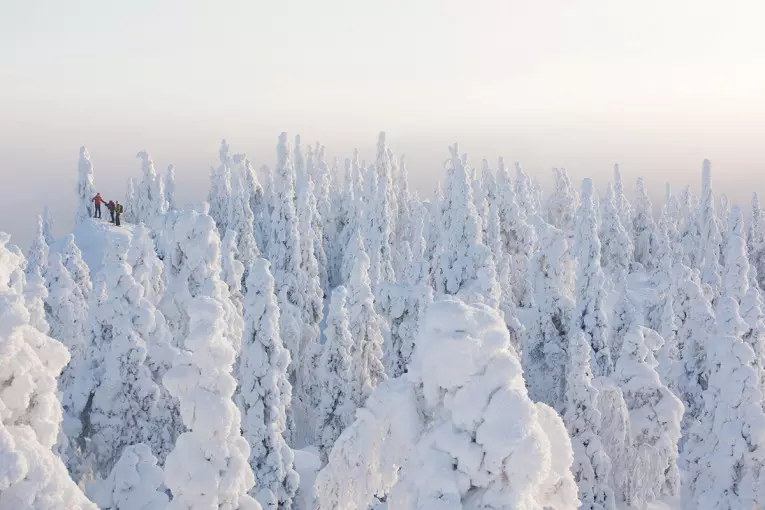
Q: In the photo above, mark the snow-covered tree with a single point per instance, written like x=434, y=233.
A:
x=86, y=187
x=323, y=219
x=711, y=239
x=756, y=231
x=31, y=476
x=134, y=483
x=589, y=315
x=309, y=280
x=168, y=185
x=146, y=266
x=47, y=226
x=220, y=189
x=241, y=219
x=264, y=394
x=130, y=201
x=465, y=267
x=562, y=203
x=655, y=416
x=724, y=453
x=208, y=467
x=365, y=326
x=643, y=226
x=622, y=203
x=67, y=314
x=337, y=376
x=72, y=256
x=523, y=192
x=125, y=397
x=232, y=269
x=592, y=466
x=446, y=428
x=380, y=220
x=616, y=249
x=284, y=255
x=150, y=193
x=545, y=344
x=519, y=240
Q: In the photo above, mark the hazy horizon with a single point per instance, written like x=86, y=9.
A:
x=655, y=86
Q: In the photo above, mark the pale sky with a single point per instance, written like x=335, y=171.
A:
x=654, y=85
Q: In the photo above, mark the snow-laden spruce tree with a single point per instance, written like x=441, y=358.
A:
x=130, y=201
x=31, y=476
x=519, y=240
x=72, y=257
x=125, y=397
x=366, y=329
x=208, y=467
x=690, y=235
x=592, y=466
x=259, y=205
x=337, y=376
x=150, y=193
x=445, y=425
x=323, y=218
x=380, y=225
x=220, y=189
x=86, y=187
x=589, y=315
x=241, y=218
x=146, y=267
x=232, y=270
x=264, y=394
x=622, y=202
x=643, y=226
x=168, y=184
x=544, y=351
x=47, y=225
x=735, y=274
x=562, y=203
x=284, y=255
x=655, y=417
x=67, y=315
x=345, y=226
x=696, y=323
x=309, y=280
x=755, y=234
x=725, y=451
x=524, y=192
x=465, y=267
x=134, y=483
x=616, y=248
x=711, y=239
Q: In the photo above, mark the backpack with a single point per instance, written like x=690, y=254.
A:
x=119, y=209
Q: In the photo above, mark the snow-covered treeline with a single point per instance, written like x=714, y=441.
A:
x=318, y=335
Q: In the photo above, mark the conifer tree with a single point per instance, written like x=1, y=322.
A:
x=150, y=193
x=589, y=316
x=208, y=466
x=592, y=465
x=169, y=187
x=365, y=326
x=337, y=376
x=264, y=394
x=465, y=267
x=86, y=187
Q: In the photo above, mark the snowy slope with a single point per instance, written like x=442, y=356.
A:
x=94, y=237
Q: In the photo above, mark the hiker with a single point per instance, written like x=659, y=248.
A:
x=110, y=206
x=97, y=200
x=117, y=212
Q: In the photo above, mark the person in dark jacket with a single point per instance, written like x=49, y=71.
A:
x=110, y=206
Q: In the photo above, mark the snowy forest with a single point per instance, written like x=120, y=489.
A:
x=317, y=335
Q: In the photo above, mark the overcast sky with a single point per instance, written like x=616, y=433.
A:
x=654, y=85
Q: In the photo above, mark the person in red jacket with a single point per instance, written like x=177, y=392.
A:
x=97, y=200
